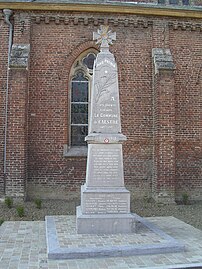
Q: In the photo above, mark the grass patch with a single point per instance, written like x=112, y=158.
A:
x=20, y=211
x=185, y=198
x=8, y=202
x=38, y=203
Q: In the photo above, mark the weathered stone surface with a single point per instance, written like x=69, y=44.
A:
x=104, y=223
x=105, y=97
x=105, y=165
x=105, y=201
x=162, y=59
x=19, y=56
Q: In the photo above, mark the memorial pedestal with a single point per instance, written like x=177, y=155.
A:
x=104, y=223
x=105, y=202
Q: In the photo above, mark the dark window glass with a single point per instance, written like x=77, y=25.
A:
x=185, y=2
x=78, y=134
x=174, y=2
x=79, y=114
x=161, y=1
x=79, y=110
x=89, y=60
x=79, y=89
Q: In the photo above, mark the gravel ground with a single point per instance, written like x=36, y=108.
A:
x=191, y=213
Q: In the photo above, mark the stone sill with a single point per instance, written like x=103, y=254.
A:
x=75, y=151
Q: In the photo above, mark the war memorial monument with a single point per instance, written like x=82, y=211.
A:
x=105, y=202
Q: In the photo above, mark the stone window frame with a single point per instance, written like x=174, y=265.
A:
x=78, y=66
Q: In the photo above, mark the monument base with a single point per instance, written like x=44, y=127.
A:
x=105, y=200
x=104, y=223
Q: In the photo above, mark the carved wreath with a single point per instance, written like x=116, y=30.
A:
x=102, y=87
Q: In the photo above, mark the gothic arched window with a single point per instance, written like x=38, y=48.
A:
x=79, y=109
x=80, y=85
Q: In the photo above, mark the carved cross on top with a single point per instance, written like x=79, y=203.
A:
x=104, y=36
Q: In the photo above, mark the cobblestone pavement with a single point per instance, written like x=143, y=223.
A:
x=144, y=236
x=23, y=246
x=64, y=242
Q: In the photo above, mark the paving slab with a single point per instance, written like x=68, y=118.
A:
x=23, y=245
x=63, y=242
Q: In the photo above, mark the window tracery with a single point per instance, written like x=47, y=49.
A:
x=80, y=84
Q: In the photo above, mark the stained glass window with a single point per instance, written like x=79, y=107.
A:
x=79, y=109
x=81, y=76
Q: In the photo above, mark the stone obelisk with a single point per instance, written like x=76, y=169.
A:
x=105, y=202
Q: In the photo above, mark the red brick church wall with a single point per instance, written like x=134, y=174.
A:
x=187, y=54
x=51, y=61
x=55, y=44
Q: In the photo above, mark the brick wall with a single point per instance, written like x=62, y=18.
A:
x=133, y=54
x=55, y=44
x=3, y=74
x=48, y=103
x=187, y=54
